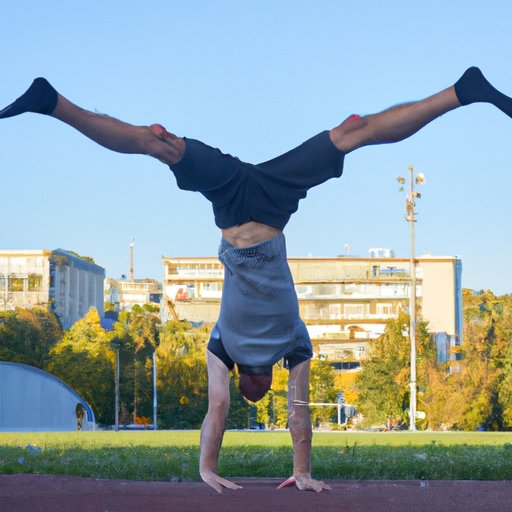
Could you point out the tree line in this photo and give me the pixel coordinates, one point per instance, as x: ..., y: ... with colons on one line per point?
x: 84, y: 357
x: 473, y: 390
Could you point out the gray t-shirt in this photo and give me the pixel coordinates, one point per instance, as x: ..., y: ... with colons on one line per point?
x: 259, y: 319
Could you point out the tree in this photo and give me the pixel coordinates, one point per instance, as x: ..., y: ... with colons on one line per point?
x: 27, y: 335
x: 272, y: 410
x: 383, y: 385
x: 136, y: 335
x: 183, y: 379
x: 346, y: 382
x: 322, y: 389
x: 443, y: 400
x: 475, y: 389
x: 144, y: 332
x: 239, y: 409
x: 182, y: 375
x: 504, y: 392
x: 84, y: 360
x: 484, y: 360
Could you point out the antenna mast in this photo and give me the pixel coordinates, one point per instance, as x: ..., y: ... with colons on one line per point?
x: 131, y: 261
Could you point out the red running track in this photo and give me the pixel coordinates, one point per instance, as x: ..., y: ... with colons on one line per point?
x: 48, y: 493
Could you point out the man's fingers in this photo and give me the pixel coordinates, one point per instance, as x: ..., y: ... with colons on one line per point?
x: 289, y: 482
x: 305, y: 484
x: 215, y: 485
x: 212, y: 482
x: 309, y: 484
x: 227, y: 483
x: 217, y: 482
x: 321, y: 486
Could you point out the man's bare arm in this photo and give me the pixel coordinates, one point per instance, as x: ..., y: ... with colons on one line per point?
x: 299, y: 423
x: 214, y: 423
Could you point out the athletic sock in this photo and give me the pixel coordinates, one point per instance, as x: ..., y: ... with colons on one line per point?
x: 40, y: 97
x: 473, y: 87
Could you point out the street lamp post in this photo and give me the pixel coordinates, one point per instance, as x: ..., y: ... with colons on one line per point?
x: 154, y: 392
x: 410, y: 217
x: 115, y: 345
x: 118, y: 372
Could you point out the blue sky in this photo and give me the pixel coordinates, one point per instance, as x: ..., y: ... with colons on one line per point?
x: 256, y: 78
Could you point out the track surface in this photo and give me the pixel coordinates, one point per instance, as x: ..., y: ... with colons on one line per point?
x: 27, y: 493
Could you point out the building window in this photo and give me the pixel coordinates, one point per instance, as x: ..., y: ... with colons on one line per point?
x: 384, y: 309
x: 35, y: 282
x: 2, y: 283
x: 172, y: 268
x: 323, y: 311
x: 334, y: 311
x: 16, y: 284
x: 354, y: 310
x: 327, y: 289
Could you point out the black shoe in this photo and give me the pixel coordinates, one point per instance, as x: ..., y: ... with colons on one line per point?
x: 40, y: 98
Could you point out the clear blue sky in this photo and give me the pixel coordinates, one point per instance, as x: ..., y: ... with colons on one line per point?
x: 256, y: 78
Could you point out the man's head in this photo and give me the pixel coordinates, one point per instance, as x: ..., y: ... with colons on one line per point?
x: 255, y: 381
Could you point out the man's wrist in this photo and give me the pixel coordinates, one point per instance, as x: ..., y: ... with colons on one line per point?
x: 204, y: 468
x: 302, y: 474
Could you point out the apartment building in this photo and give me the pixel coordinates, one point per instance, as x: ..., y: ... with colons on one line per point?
x: 344, y: 301
x: 124, y: 294
x: 62, y: 280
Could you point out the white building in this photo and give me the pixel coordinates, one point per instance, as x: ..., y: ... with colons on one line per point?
x: 67, y: 283
x: 345, y: 301
x: 123, y: 295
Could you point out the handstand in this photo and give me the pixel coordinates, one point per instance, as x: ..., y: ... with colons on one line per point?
x: 259, y: 321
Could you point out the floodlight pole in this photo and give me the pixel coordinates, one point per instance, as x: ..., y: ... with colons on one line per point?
x: 412, y: 302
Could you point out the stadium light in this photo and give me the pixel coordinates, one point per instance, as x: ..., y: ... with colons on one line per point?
x: 410, y: 215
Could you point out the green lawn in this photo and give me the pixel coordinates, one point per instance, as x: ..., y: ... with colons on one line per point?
x: 173, y: 455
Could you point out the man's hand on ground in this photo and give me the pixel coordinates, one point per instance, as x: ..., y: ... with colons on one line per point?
x: 305, y: 483
x: 217, y: 482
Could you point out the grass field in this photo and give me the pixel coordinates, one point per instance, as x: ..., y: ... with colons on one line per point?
x: 173, y: 455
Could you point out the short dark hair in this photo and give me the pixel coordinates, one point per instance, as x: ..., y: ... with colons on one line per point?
x: 254, y: 385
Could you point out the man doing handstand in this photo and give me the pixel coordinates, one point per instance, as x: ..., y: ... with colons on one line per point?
x: 259, y: 321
